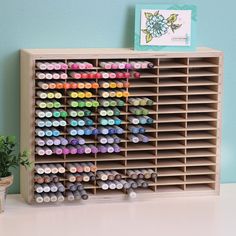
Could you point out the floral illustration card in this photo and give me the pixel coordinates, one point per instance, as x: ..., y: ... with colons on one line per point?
x: 165, y: 27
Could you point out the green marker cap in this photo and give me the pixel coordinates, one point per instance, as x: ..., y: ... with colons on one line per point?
x: 113, y: 103
x: 87, y: 112
x: 74, y: 103
x: 88, y: 104
x: 81, y: 103
x: 95, y: 103
x: 50, y: 105
x: 57, y: 104
x: 80, y: 113
x: 63, y: 114
x: 56, y: 114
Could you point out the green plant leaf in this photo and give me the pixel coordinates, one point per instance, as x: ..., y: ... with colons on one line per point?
x: 145, y: 31
x: 148, y: 15
x: 156, y: 13
x: 148, y: 38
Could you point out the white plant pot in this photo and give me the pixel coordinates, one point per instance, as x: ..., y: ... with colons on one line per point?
x: 4, y: 184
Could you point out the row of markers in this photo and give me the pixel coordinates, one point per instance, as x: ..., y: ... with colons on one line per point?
x: 49, y: 188
x: 78, y: 65
x: 88, y: 75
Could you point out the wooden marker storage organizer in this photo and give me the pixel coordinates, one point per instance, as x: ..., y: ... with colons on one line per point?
x: 184, y: 139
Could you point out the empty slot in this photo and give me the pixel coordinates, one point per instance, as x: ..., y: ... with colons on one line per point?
x: 163, y: 118
x: 200, y: 179
x: 148, y: 190
x: 110, y: 157
x: 203, y: 61
x: 138, y: 83
x: 171, y: 127
x: 147, y: 154
x: 208, y: 89
x: 203, y: 152
x: 173, y: 171
x: 141, y: 146
x: 201, y: 143
x: 202, y: 98
x: 110, y: 193
x: 147, y: 74
x: 51, y: 159
x: 179, y: 99
x: 200, y: 170
x: 202, y: 116
x: 137, y: 164
x: 202, y: 107
x: 170, y: 188
x: 203, y: 80
x: 205, y: 125
x: 211, y: 71
x: 171, y: 135
x: 200, y: 187
x: 166, y: 82
x: 170, y: 180
x: 173, y: 62
x: 178, y: 108
x: 174, y: 153
x: 165, y: 91
x: 108, y: 165
x: 170, y: 162
x: 201, y: 134
x: 170, y: 144
x: 143, y: 92
x: 200, y: 161
x: 172, y: 72
x: 80, y: 158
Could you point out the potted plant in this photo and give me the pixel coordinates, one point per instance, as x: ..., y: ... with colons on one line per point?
x: 8, y: 160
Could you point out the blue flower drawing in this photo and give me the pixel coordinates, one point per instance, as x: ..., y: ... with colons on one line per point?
x: 157, y: 25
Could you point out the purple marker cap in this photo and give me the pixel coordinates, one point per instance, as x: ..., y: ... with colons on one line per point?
x: 93, y: 149
x: 80, y: 150
x: 116, y: 148
x: 102, y: 149
x: 81, y: 141
x: 65, y: 151
x: 73, y: 150
x: 128, y: 66
x: 57, y: 150
x: 56, y: 141
x: 73, y: 141
x: 64, y: 141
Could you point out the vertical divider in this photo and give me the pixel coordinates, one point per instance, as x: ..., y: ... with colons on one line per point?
x: 96, y: 126
x: 33, y: 125
x: 126, y: 123
x: 186, y: 124
x: 157, y: 60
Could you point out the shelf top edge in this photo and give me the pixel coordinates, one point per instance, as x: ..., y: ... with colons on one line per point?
x: 111, y: 51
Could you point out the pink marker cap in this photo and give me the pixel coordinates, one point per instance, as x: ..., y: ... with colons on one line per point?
x: 114, y: 66
x: 112, y: 75
x: 128, y: 66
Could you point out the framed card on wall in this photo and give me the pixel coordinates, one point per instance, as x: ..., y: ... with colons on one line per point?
x: 165, y: 27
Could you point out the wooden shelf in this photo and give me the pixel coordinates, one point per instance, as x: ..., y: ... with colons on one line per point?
x: 184, y: 138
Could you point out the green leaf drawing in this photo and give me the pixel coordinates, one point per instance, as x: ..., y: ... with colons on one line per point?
x: 144, y: 31
x: 156, y: 13
x: 148, y: 38
x: 148, y: 15
x: 171, y: 19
